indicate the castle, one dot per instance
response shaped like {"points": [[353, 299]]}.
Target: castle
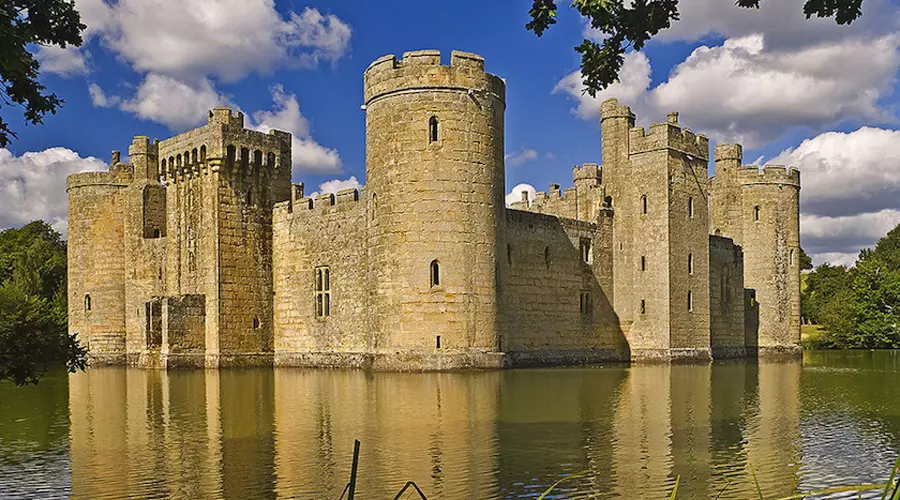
{"points": [[200, 252]]}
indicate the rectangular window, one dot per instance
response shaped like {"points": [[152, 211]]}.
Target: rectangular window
{"points": [[586, 306], [643, 306], [643, 262], [323, 291], [586, 250]]}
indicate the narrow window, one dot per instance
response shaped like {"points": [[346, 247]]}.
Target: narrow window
{"points": [[691, 207], [194, 156], [756, 213], [643, 262], [791, 259], [718, 232], [509, 255], [644, 204], [690, 263], [87, 302], [323, 291], [249, 197], [256, 323], [202, 153], [437, 341], [230, 153], [643, 306], [547, 257], [148, 313], [690, 302], [607, 202], [156, 233], [585, 245], [433, 130], [585, 304], [435, 273]]}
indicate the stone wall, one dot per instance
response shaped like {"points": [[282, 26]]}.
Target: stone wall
{"points": [[557, 307], [726, 298], [184, 330], [328, 231]]}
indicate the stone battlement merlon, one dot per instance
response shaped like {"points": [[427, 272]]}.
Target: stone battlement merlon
{"points": [[668, 135], [321, 203], [422, 69], [588, 171], [610, 108], [770, 174], [728, 152]]}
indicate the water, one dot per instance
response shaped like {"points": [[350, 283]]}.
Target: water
{"points": [[833, 419]]}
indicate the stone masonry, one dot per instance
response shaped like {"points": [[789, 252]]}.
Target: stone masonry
{"points": [[200, 252]]}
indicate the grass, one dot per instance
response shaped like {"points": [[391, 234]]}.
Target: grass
{"points": [[811, 336], [890, 489]]}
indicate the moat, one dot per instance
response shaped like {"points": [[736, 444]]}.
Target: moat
{"points": [[114, 432]]}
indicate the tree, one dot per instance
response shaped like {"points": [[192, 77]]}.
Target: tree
{"points": [[805, 261], [822, 285], [631, 23], [24, 23], [33, 321]]}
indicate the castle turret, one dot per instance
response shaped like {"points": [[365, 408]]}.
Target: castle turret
{"points": [[759, 209], [435, 179], [96, 261], [670, 249]]}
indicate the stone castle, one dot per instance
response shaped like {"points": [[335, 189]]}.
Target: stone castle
{"points": [[200, 252]]}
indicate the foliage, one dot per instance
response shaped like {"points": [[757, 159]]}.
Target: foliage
{"points": [[629, 24], [33, 323], [805, 261], [24, 23], [858, 307]]}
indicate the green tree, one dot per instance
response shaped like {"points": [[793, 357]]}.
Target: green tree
{"points": [[23, 24], [631, 23], [877, 304], [822, 285], [33, 321], [805, 261]]}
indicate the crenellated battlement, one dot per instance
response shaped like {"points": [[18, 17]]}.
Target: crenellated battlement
{"points": [[770, 174], [668, 135], [224, 115], [724, 152], [118, 175], [610, 108], [321, 203], [422, 69], [587, 172]]}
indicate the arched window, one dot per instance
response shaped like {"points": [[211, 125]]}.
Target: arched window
{"points": [[249, 198], [164, 164], [202, 153], [194, 156], [256, 323], [644, 204], [691, 207], [270, 160], [257, 158], [690, 301], [791, 260], [547, 257], [756, 213], [432, 129], [718, 232], [690, 263], [435, 273], [178, 160], [87, 303], [607, 202]]}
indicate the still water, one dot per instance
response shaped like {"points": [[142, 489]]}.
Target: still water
{"points": [[832, 419]]}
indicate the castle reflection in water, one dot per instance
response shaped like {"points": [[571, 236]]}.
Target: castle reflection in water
{"points": [[288, 433]]}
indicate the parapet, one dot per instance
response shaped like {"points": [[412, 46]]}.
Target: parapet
{"points": [[669, 135], [299, 203], [725, 152], [118, 176], [588, 171], [422, 69], [223, 114], [770, 174], [610, 108]]}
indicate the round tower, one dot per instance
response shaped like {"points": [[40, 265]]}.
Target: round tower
{"points": [[96, 261], [435, 188], [771, 244]]}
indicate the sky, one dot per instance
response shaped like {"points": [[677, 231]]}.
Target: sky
{"points": [[807, 93]]}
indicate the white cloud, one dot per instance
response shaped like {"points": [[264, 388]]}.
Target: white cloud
{"points": [[850, 194], [33, 185], [100, 99], [227, 39], [515, 195], [634, 79], [307, 154], [521, 158], [335, 185], [745, 91], [69, 61]]}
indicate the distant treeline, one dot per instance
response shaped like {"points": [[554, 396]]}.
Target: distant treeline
{"points": [[859, 307], [33, 325]]}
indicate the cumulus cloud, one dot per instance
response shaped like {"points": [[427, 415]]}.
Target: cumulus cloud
{"points": [[307, 154], [634, 80], [850, 192], [521, 158], [226, 39], [335, 185], [515, 195], [33, 185], [69, 61]]}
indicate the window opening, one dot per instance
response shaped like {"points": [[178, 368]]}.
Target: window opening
{"points": [[691, 207], [432, 129], [585, 245], [437, 341], [643, 306], [690, 263], [585, 304], [643, 262], [644, 204], [435, 273], [791, 259], [756, 213], [547, 257], [255, 323], [323, 291], [690, 301], [87, 302], [509, 255]]}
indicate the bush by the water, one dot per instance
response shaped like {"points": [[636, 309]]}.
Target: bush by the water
{"points": [[33, 323], [859, 307]]}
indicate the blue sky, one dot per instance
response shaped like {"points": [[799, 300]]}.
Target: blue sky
{"points": [[793, 91]]}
